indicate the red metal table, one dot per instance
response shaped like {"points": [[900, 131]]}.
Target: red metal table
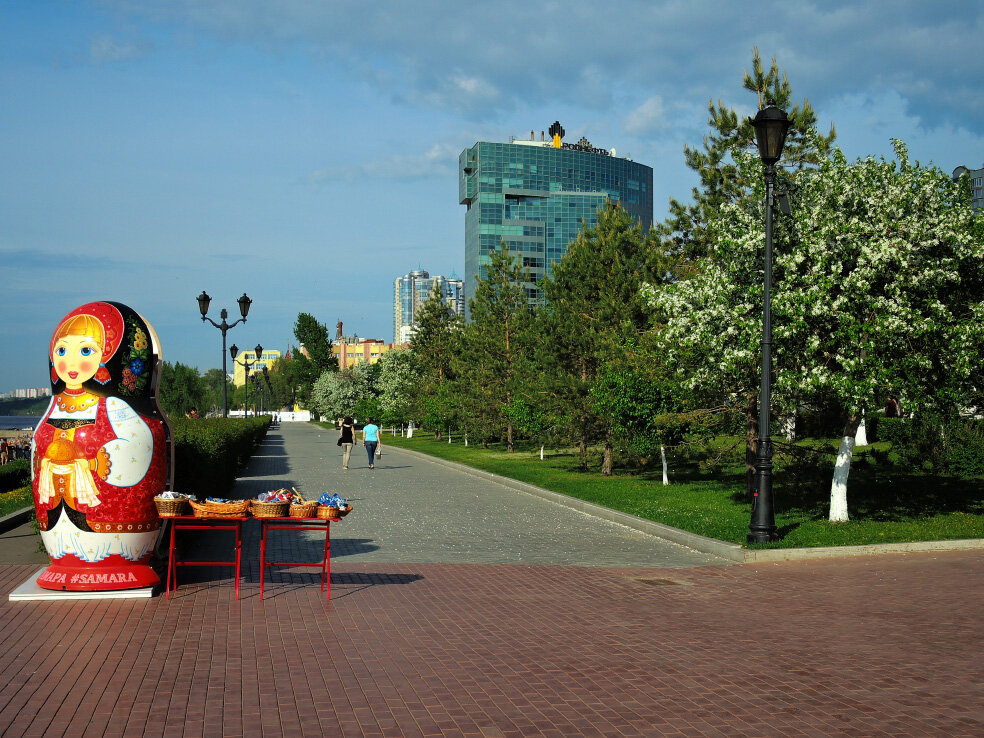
{"points": [[190, 522], [298, 524]]}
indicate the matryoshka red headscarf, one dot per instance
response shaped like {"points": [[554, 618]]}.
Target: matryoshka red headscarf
{"points": [[113, 330]]}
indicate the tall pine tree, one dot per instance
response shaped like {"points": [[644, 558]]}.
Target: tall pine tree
{"points": [[721, 181], [595, 312], [495, 358]]}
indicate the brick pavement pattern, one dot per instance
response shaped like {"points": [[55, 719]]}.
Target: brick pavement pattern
{"points": [[874, 646]]}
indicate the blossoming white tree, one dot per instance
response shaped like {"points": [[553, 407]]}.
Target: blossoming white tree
{"points": [[879, 279], [335, 394]]}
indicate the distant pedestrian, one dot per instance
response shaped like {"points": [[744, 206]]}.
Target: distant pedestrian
{"points": [[892, 407], [5, 451], [370, 439], [346, 440]]}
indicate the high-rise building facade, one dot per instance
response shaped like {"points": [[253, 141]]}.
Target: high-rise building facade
{"points": [[412, 290], [976, 186], [535, 194]]}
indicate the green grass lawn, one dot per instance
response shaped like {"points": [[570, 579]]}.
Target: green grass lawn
{"points": [[886, 503], [15, 499]]}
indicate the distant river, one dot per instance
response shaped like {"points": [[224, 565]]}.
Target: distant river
{"points": [[17, 422]]}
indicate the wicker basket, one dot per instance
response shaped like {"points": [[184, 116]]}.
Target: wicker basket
{"points": [[237, 509], [305, 510], [327, 512], [343, 511], [171, 508], [269, 509]]}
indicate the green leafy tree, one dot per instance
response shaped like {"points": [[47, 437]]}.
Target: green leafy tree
{"points": [[182, 388], [432, 346], [496, 345], [212, 378], [283, 382], [343, 393], [369, 405], [313, 357], [879, 282], [721, 180], [595, 309]]}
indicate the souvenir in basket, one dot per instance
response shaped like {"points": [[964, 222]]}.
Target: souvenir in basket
{"points": [[327, 512], [210, 509], [269, 509], [305, 510], [171, 508], [344, 510]]}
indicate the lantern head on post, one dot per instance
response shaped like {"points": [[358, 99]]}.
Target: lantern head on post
{"points": [[245, 302], [203, 301], [259, 351], [233, 350], [771, 125]]}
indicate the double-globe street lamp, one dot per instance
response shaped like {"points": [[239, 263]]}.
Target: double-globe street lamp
{"points": [[244, 303], [771, 125], [247, 365]]}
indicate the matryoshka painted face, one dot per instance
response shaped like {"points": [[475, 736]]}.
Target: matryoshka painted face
{"points": [[76, 359]]}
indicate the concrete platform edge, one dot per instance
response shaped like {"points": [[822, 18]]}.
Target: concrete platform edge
{"points": [[725, 550], [16, 518]]}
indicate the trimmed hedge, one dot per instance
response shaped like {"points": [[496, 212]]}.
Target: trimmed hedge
{"points": [[15, 475], [952, 447], [963, 448], [208, 454]]}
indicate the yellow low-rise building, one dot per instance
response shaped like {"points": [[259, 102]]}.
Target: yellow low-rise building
{"points": [[350, 353], [267, 359]]}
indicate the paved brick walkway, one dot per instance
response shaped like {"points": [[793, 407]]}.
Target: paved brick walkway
{"points": [[875, 646]]}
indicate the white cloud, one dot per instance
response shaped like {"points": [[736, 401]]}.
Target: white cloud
{"points": [[648, 118], [866, 123], [435, 53]]}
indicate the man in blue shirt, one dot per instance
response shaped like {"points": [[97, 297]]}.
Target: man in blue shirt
{"points": [[370, 439]]}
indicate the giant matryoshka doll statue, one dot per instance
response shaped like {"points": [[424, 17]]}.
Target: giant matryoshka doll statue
{"points": [[101, 452]]}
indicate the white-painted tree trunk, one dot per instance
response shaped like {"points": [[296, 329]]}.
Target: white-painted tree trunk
{"points": [[466, 439], [666, 476], [838, 487], [787, 426], [861, 437], [541, 453], [410, 431]]}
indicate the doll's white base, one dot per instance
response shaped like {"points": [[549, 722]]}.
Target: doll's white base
{"points": [[30, 590]]}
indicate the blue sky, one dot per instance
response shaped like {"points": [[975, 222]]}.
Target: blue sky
{"points": [[306, 152]]}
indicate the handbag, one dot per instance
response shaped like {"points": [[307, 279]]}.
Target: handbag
{"points": [[339, 441], [379, 451]]}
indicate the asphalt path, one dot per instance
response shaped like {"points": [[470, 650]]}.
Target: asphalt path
{"points": [[410, 509]]}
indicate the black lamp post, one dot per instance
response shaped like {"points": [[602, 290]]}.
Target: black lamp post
{"points": [[244, 303], [246, 364], [771, 126], [269, 390]]}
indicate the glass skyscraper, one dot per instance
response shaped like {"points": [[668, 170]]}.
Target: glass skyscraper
{"points": [[534, 196]]}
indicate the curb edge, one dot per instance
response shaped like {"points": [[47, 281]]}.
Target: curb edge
{"points": [[723, 549]]}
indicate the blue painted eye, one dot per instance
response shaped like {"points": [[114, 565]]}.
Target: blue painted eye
{"points": [[60, 351], [86, 350]]}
